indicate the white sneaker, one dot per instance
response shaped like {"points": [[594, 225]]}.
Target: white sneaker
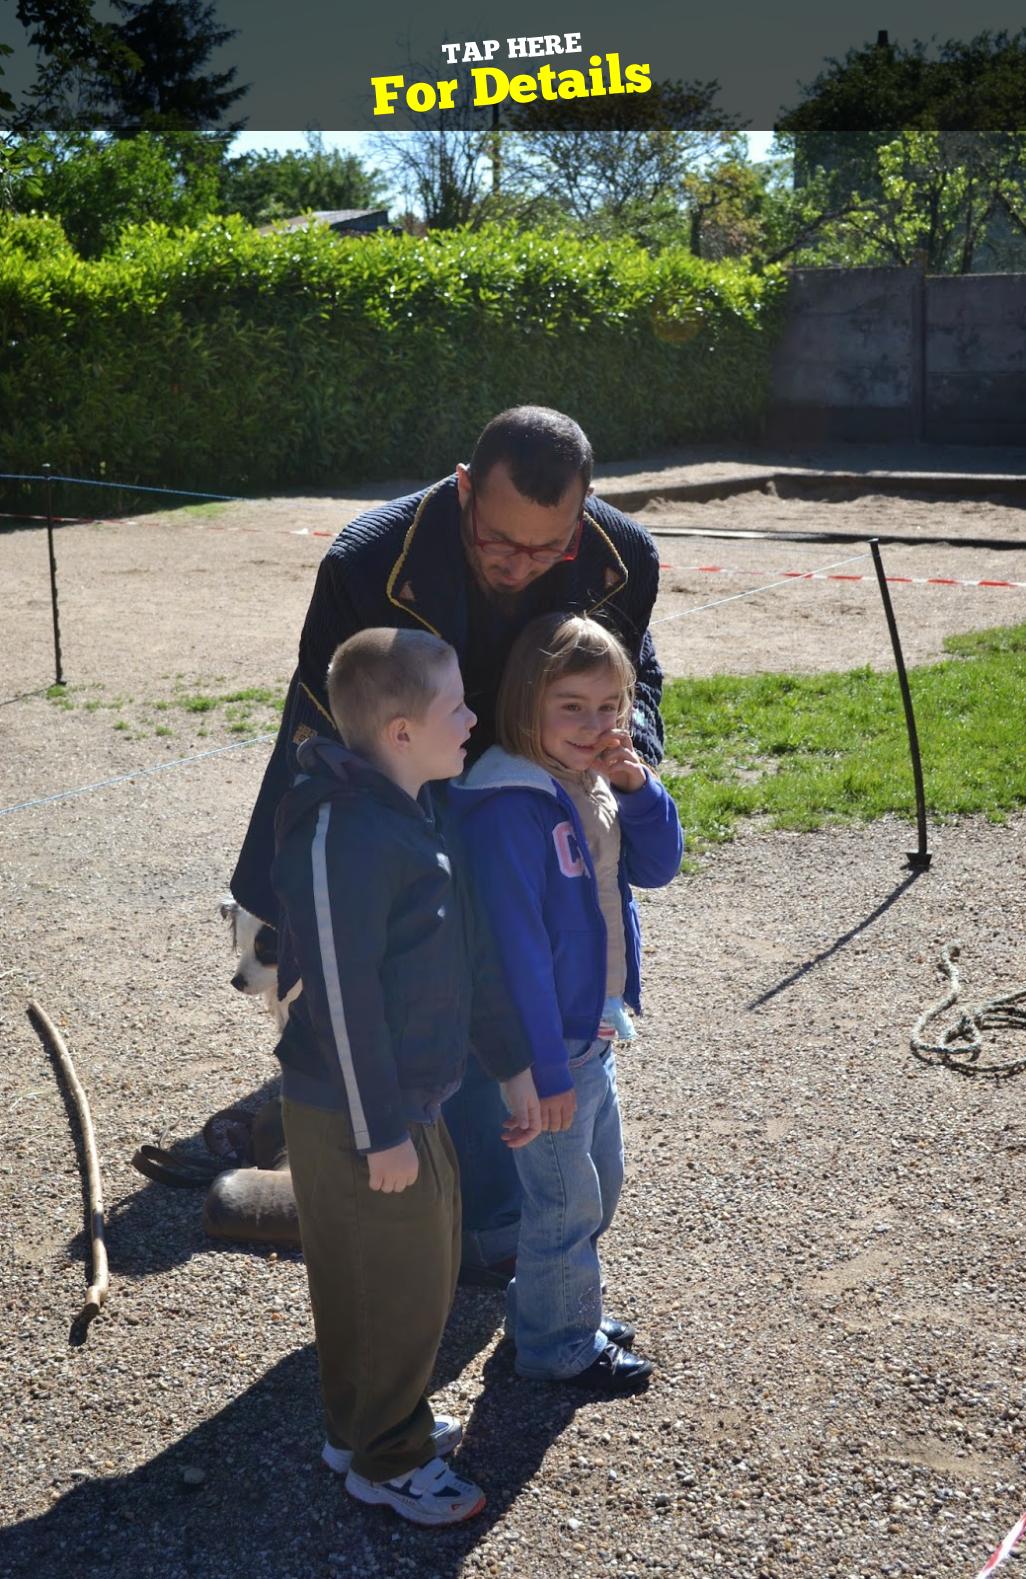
{"points": [[431, 1494], [445, 1438]]}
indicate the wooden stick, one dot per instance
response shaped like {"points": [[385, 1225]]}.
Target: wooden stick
{"points": [[96, 1293]]}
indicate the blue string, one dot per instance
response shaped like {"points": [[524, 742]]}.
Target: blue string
{"points": [[126, 487], [138, 773]]}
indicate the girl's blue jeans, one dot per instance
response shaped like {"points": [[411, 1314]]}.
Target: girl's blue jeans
{"points": [[571, 1183]]}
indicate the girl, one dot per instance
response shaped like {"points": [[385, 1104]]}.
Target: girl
{"points": [[557, 819]]}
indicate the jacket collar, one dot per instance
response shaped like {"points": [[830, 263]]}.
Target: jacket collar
{"points": [[432, 565], [328, 769], [497, 769]]}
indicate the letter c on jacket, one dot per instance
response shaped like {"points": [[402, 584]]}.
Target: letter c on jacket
{"points": [[568, 851]]}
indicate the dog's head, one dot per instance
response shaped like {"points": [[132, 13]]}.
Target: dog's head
{"points": [[256, 944]]}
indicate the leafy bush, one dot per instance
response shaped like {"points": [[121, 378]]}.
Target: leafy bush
{"points": [[34, 236], [97, 188], [220, 359]]}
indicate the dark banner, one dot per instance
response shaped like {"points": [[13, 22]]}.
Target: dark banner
{"points": [[546, 65]]}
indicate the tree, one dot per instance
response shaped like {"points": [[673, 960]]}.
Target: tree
{"points": [[267, 186], [608, 165], [442, 175], [947, 201], [96, 187], [900, 155], [858, 105], [6, 102], [604, 162], [73, 50], [725, 203], [158, 84], [142, 73], [886, 88], [940, 193]]}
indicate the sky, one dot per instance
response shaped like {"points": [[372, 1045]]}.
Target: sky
{"points": [[361, 144]]}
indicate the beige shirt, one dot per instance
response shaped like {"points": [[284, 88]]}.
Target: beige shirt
{"points": [[597, 808]]}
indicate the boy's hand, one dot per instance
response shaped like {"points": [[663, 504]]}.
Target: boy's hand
{"points": [[557, 1113], [617, 761], [524, 1121], [394, 1169]]}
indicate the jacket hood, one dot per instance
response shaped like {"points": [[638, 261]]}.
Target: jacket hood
{"points": [[328, 770], [496, 770]]}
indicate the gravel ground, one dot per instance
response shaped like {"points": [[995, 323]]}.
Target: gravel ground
{"points": [[820, 1239]]}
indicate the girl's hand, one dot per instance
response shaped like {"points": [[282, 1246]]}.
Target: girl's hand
{"points": [[557, 1113], [394, 1169], [617, 761], [524, 1121]]}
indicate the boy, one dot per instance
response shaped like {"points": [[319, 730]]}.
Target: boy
{"points": [[373, 1046]]}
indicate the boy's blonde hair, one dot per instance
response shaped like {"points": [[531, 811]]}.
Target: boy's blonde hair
{"points": [[547, 649], [381, 674]]}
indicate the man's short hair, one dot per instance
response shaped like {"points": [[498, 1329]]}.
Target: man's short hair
{"points": [[546, 452], [381, 674]]}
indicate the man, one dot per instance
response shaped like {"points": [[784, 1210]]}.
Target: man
{"points": [[515, 534]]}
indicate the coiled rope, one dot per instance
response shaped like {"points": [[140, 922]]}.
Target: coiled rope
{"points": [[960, 1045]]}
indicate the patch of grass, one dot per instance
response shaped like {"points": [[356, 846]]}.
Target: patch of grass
{"points": [[804, 751], [212, 507], [238, 705], [251, 709], [257, 695]]}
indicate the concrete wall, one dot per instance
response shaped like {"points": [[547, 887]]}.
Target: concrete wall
{"points": [[975, 386], [888, 354], [848, 365]]}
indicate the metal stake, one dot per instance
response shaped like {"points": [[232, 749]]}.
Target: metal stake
{"points": [[918, 860], [60, 680]]}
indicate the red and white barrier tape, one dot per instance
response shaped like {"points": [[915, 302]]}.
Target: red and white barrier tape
{"points": [[1006, 1548], [818, 575]]}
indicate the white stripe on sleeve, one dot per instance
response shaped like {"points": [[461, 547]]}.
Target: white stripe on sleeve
{"points": [[332, 984]]}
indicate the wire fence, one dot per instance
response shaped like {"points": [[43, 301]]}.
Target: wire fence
{"points": [[786, 581], [792, 578], [122, 487], [136, 773]]}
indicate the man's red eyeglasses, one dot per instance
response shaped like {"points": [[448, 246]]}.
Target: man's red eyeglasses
{"points": [[499, 548]]}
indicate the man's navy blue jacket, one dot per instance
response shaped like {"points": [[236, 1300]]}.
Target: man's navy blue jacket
{"points": [[397, 974], [402, 565]]}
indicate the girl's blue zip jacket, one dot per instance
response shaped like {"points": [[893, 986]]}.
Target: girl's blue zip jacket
{"points": [[531, 869]]}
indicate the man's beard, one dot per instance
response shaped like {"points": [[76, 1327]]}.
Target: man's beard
{"points": [[505, 601]]}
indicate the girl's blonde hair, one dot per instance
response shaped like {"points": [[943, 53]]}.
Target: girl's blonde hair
{"points": [[547, 649]]}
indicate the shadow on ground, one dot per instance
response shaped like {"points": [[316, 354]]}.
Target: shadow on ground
{"points": [[158, 1227], [265, 1505], [839, 943]]}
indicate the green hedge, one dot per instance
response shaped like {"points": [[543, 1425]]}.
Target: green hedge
{"points": [[224, 360]]}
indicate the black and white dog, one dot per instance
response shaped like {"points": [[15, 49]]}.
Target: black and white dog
{"points": [[256, 945]]}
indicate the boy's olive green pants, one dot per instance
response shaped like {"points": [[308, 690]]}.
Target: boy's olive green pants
{"points": [[382, 1271]]}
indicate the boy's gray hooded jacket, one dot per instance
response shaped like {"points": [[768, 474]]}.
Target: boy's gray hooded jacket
{"points": [[393, 961]]}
